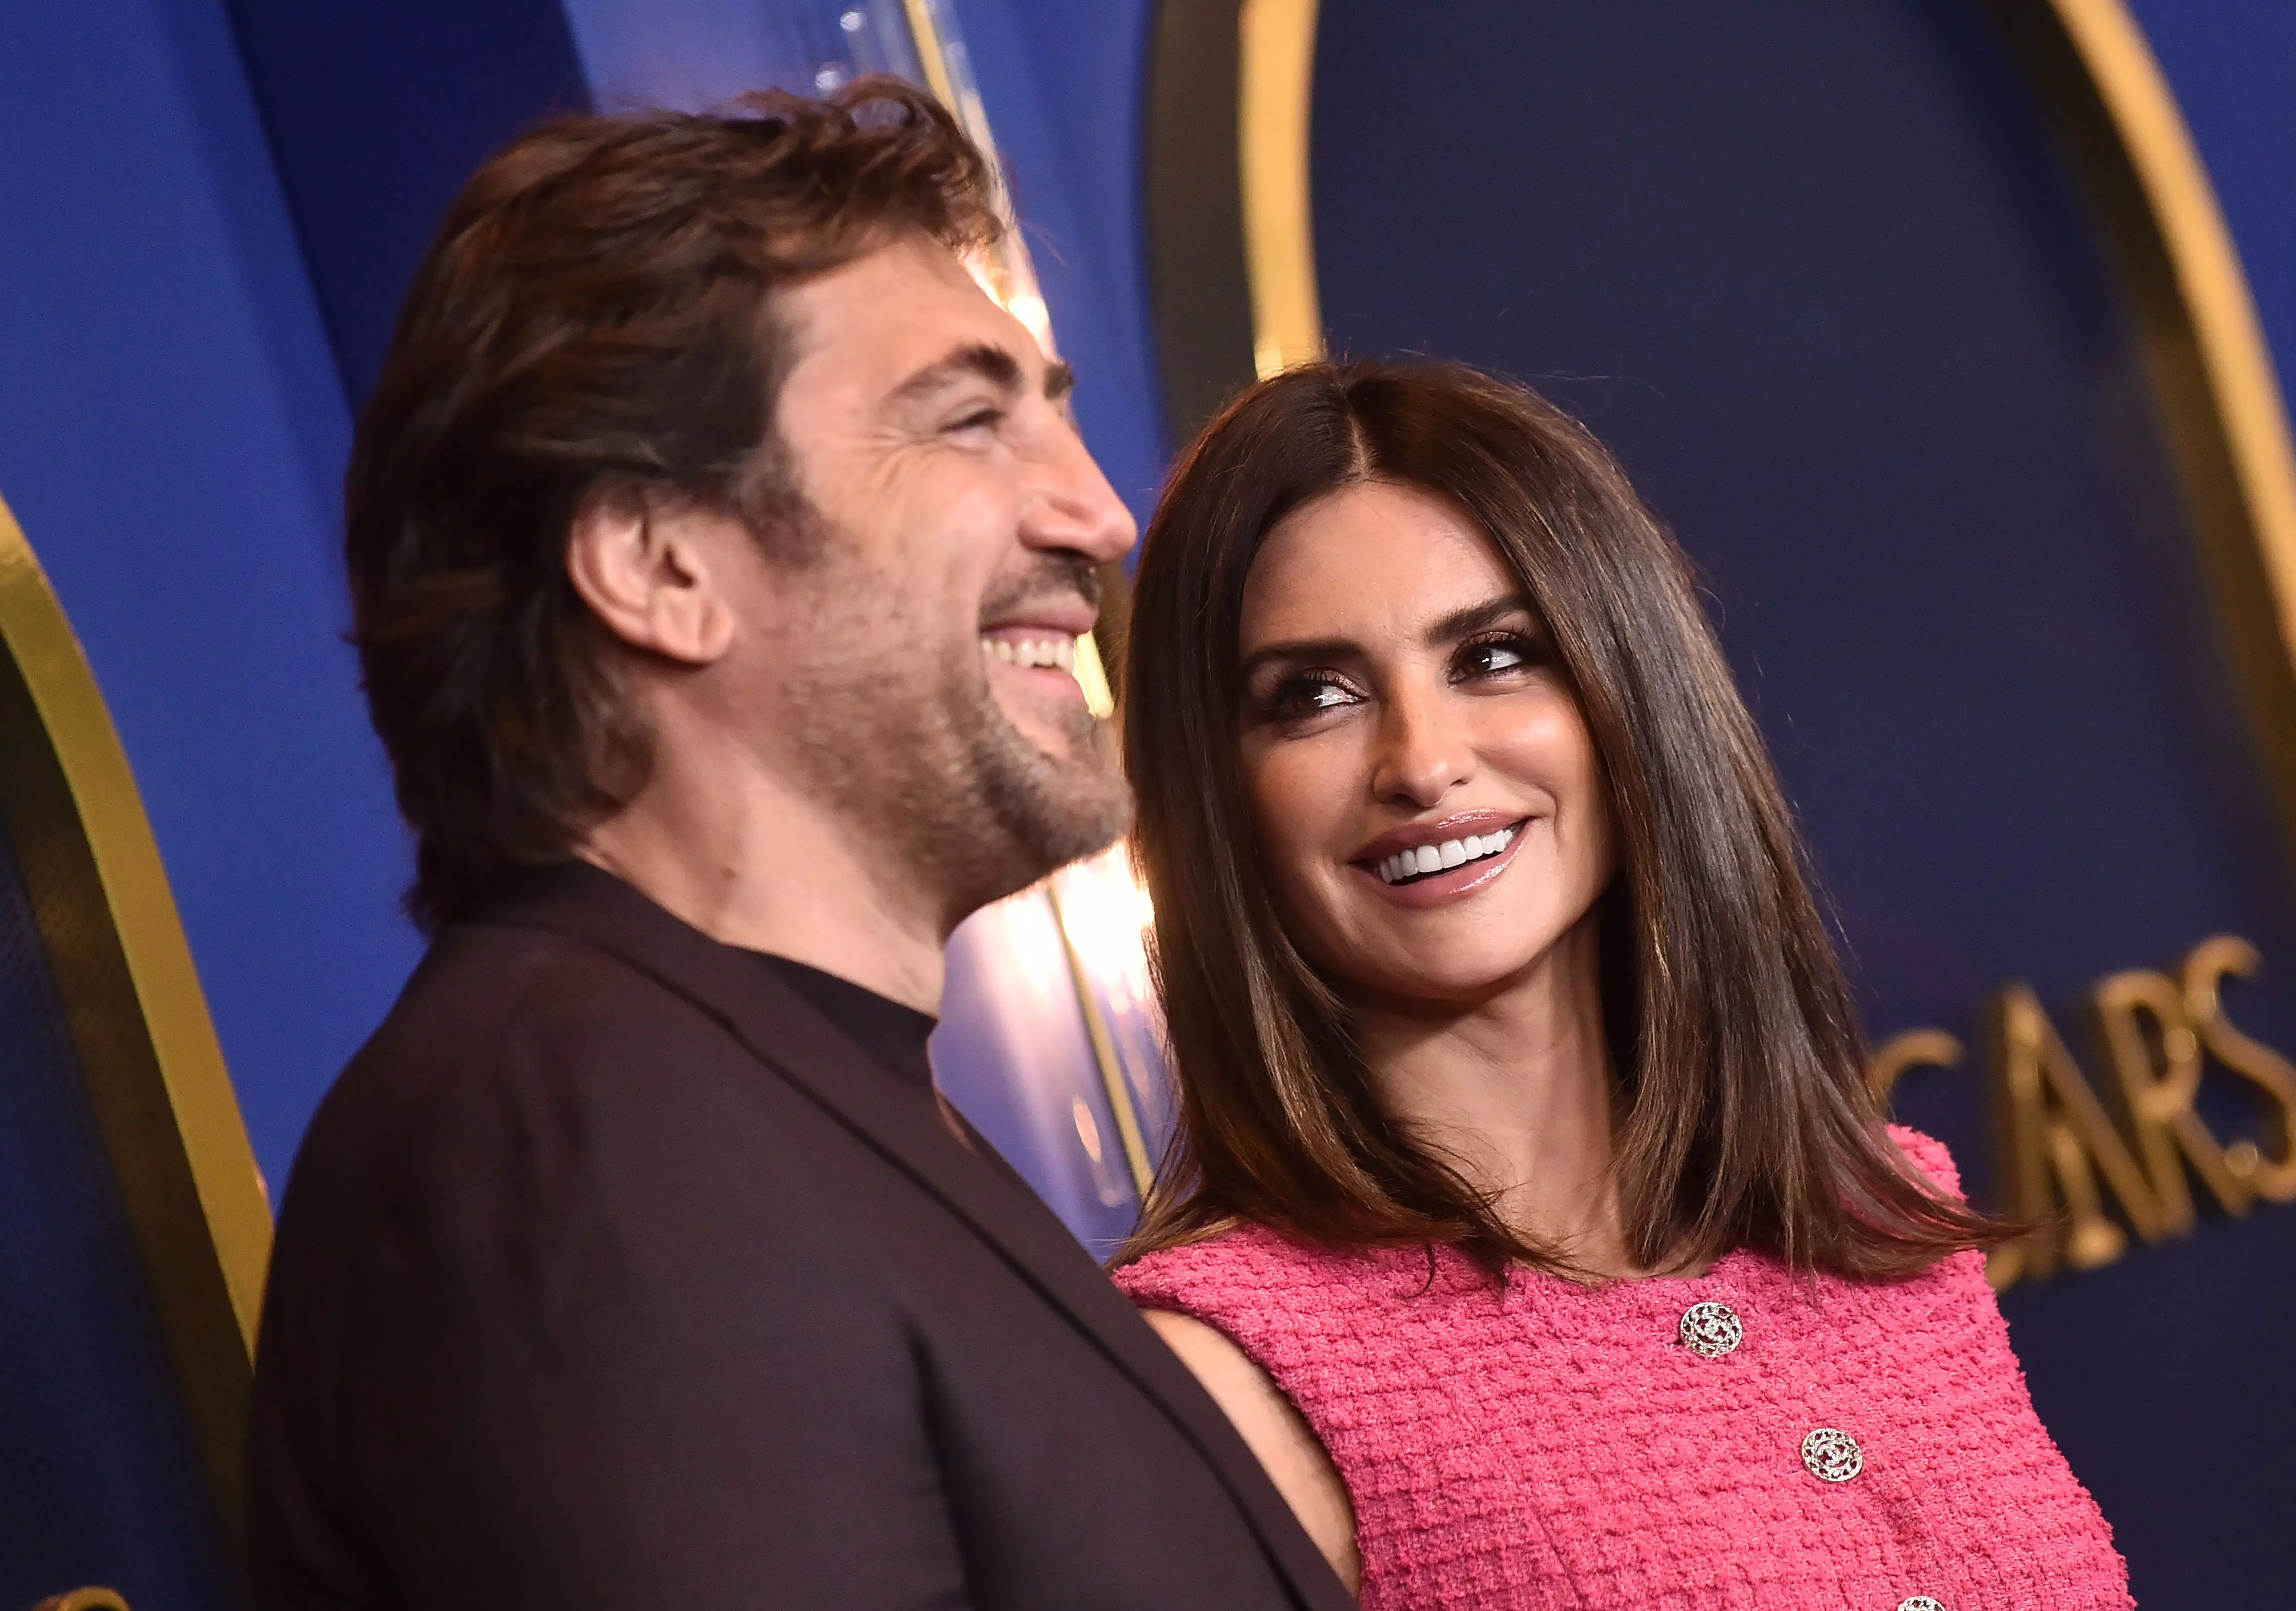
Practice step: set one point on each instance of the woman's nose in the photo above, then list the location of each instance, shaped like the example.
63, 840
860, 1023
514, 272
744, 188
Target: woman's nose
1424, 753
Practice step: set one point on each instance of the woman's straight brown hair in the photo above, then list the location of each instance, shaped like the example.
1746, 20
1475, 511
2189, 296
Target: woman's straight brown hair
1744, 1115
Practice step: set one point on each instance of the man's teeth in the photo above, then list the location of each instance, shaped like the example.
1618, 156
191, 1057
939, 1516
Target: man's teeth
1032, 651
1437, 858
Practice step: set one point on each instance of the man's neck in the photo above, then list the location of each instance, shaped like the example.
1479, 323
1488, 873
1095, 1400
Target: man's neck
754, 863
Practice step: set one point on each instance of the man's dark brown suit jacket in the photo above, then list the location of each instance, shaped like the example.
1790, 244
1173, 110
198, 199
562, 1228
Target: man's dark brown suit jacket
613, 1275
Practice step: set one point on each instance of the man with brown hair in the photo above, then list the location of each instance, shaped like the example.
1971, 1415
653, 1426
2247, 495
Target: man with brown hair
717, 550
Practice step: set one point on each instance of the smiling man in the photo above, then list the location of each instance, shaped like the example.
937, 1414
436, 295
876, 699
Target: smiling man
717, 553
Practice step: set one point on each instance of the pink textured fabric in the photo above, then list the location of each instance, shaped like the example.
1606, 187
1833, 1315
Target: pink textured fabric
1558, 1446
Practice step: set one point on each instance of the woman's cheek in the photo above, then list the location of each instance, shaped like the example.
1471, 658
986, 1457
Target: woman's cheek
1294, 814
1280, 806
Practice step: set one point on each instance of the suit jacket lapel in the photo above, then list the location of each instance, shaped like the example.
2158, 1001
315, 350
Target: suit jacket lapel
796, 1043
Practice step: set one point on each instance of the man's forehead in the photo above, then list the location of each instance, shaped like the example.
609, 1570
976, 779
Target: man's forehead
890, 313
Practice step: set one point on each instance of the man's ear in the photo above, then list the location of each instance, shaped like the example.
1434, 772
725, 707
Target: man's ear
656, 573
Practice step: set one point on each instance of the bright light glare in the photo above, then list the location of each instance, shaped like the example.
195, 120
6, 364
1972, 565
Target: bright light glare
1029, 309
1107, 915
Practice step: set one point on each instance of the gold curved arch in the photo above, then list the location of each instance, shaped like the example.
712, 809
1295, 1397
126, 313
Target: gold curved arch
84, 1599
2222, 405
1275, 93
2211, 367
138, 1020
2214, 289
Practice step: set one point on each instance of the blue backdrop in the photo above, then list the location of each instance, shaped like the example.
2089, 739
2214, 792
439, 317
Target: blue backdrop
1819, 273
210, 209
172, 437
177, 417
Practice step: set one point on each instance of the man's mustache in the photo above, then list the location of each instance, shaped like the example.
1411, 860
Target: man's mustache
1051, 576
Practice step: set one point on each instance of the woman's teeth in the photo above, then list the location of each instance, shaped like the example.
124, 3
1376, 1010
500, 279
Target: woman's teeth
1032, 651
1441, 857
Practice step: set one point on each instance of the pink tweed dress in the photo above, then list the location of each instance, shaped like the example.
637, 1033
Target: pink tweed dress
1748, 1438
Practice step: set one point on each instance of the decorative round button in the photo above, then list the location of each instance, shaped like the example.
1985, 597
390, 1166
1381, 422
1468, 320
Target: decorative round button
1920, 1602
1710, 1329
1832, 1456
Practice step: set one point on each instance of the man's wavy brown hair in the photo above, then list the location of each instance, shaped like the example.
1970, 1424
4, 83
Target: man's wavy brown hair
595, 319
1744, 1119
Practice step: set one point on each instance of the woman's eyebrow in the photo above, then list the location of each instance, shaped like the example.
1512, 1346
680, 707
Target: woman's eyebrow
1474, 618
1301, 648
1448, 629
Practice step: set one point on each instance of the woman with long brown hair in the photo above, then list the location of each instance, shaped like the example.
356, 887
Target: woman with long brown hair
1530, 1213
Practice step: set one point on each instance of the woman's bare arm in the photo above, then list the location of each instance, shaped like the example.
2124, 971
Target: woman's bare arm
1276, 1431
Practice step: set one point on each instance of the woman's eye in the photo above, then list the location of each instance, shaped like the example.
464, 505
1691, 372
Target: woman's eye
1308, 697
1493, 655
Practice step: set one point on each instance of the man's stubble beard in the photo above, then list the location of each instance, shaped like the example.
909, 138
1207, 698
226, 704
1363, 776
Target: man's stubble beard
907, 742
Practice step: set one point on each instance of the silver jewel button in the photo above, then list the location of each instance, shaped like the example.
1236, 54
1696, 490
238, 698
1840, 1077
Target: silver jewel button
1832, 1456
1920, 1602
1710, 1329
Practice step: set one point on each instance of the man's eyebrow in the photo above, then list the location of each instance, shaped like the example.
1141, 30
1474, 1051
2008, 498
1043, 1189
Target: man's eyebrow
1060, 381
989, 363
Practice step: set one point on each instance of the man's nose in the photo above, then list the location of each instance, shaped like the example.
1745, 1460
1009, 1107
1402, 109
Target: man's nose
1424, 751
1072, 506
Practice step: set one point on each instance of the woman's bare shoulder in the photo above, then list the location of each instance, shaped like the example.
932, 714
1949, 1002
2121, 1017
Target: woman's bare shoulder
1272, 1426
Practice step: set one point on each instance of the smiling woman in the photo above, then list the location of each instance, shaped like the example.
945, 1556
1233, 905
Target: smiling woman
1532, 1218
1435, 720
1430, 605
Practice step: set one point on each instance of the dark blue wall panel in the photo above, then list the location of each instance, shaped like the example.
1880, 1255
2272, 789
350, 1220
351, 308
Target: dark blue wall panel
172, 434
1817, 272
378, 110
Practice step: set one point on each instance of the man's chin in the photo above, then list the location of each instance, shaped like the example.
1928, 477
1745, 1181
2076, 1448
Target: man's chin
1065, 734
1054, 835
1074, 759
1054, 791
1069, 811
1087, 809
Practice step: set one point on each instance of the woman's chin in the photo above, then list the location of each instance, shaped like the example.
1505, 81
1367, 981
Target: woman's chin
1461, 985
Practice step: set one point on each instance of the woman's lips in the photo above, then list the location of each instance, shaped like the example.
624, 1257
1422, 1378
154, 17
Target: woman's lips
1450, 884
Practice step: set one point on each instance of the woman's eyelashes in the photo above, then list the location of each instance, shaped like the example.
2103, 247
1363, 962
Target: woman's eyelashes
1305, 695
1499, 656
1494, 662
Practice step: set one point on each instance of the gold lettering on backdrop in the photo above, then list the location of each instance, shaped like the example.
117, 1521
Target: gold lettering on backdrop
1916, 1048
2052, 1139
2270, 1176
2154, 1058
2063, 1162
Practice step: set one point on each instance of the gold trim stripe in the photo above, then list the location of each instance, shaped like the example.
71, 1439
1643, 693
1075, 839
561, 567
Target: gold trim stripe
2234, 356
924, 33
1273, 106
37, 638
1104, 1055
1092, 677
